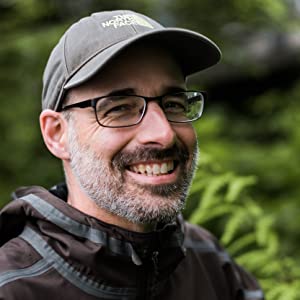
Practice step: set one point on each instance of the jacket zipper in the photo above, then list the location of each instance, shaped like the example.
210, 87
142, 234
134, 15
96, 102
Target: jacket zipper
155, 274
148, 278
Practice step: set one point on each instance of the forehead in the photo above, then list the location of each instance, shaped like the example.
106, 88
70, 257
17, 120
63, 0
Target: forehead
142, 68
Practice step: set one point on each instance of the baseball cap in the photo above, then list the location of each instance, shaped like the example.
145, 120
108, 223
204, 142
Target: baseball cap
89, 44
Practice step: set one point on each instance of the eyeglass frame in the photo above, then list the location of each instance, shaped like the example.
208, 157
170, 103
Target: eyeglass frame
93, 103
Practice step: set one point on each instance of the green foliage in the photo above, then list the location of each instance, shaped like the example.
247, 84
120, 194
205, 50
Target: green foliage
222, 201
229, 21
22, 153
262, 138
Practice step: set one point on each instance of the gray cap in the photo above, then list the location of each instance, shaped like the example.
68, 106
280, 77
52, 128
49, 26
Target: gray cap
92, 42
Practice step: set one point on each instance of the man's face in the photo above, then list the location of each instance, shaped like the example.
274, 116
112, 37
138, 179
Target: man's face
141, 173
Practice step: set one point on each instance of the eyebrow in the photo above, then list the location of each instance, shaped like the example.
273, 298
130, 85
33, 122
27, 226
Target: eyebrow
119, 92
174, 89
132, 91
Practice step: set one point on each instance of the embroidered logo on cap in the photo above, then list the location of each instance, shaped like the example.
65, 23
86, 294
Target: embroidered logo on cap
126, 20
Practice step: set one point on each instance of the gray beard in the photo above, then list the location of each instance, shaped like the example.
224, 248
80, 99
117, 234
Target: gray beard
105, 184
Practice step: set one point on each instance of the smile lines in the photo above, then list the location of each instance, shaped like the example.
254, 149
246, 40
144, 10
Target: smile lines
153, 169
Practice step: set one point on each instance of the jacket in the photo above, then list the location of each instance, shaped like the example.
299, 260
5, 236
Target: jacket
49, 250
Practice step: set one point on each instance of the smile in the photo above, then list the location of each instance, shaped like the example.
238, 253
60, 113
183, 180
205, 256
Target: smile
153, 169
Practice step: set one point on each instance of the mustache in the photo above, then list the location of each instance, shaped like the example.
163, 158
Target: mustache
125, 158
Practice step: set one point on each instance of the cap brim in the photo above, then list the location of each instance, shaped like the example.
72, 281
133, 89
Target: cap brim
193, 51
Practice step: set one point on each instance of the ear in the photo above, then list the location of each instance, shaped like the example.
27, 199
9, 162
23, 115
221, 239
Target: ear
54, 131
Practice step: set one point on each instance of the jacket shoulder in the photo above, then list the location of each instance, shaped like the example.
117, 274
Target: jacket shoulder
200, 242
17, 260
15, 254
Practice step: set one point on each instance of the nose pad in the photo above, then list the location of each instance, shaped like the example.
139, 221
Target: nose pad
155, 128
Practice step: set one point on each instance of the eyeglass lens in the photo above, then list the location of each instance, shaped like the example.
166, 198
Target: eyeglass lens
118, 111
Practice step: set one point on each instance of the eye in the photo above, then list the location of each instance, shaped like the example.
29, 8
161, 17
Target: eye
115, 105
119, 109
174, 104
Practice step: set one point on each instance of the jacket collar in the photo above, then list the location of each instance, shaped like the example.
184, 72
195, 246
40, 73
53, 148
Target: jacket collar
51, 208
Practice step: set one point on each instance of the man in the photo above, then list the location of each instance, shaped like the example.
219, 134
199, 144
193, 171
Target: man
117, 112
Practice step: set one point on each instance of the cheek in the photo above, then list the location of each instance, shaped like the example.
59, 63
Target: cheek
104, 142
187, 135
108, 142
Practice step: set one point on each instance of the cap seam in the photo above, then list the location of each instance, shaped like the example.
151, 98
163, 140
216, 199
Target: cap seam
134, 29
65, 58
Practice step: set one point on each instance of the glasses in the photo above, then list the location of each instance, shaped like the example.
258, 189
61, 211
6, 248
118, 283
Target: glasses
128, 110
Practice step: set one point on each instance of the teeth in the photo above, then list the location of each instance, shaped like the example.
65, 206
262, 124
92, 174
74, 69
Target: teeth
170, 165
153, 169
141, 169
164, 168
148, 170
156, 169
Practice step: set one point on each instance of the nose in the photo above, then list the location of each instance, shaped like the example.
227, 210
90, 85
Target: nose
155, 129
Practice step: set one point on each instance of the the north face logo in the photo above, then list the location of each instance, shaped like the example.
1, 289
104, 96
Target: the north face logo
126, 20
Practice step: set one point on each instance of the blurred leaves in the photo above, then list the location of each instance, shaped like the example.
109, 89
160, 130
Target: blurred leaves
247, 231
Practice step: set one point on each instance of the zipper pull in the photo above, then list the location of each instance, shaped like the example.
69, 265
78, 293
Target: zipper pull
134, 256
